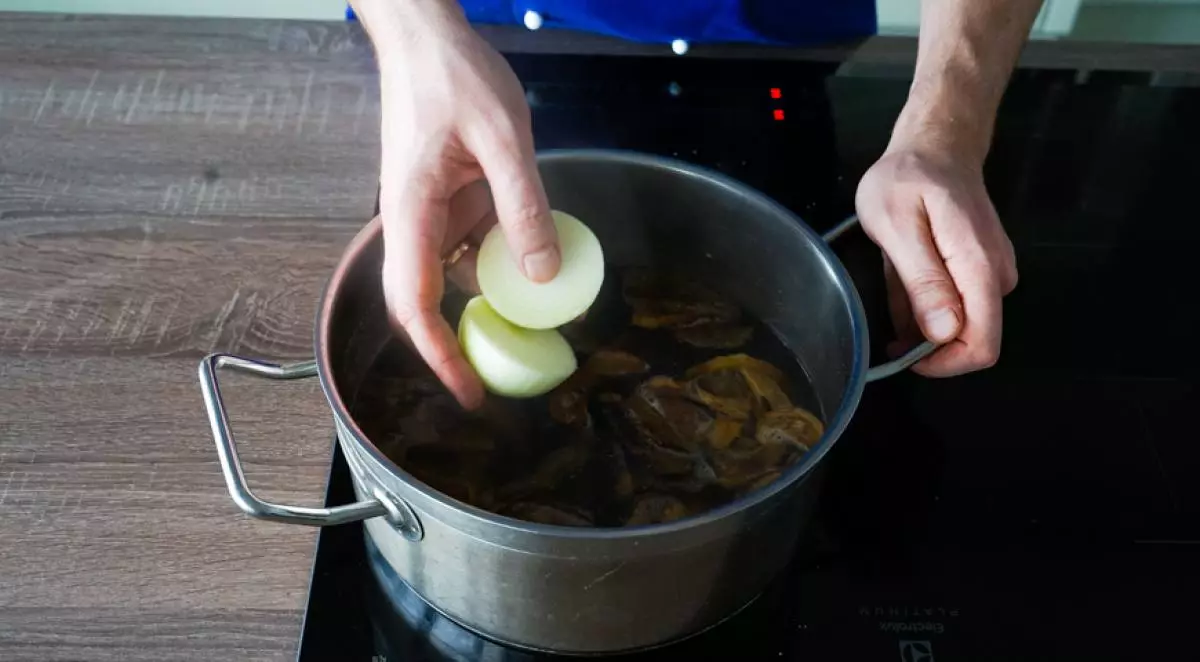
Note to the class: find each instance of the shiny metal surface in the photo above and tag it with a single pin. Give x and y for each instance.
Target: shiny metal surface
(231, 466)
(912, 356)
(578, 590)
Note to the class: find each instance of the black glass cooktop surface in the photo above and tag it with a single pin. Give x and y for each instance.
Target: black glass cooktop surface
(1045, 509)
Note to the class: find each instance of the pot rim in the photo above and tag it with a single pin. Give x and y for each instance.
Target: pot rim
(833, 430)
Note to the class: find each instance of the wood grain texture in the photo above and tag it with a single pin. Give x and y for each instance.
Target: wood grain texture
(167, 188)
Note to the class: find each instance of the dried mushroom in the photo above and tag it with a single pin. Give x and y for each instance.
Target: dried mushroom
(607, 362)
(735, 363)
(544, 513)
(656, 425)
(674, 301)
(724, 393)
(748, 459)
(714, 336)
(723, 431)
(622, 478)
(568, 402)
(763, 481)
(796, 427)
(656, 509)
(556, 467)
(669, 418)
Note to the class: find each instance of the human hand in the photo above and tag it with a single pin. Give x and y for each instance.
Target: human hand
(454, 120)
(947, 260)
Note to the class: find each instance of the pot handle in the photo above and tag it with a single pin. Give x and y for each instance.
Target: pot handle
(231, 466)
(883, 370)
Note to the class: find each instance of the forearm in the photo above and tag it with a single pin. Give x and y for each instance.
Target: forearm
(966, 54)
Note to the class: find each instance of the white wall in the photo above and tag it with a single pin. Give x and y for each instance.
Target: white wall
(901, 17)
(1150, 21)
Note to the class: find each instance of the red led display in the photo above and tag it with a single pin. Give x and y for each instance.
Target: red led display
(778, 115)
(776, 93)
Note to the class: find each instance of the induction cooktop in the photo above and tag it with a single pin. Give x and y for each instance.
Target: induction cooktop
(1045, 509)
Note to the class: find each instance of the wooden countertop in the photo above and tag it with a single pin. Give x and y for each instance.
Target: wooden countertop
(169, 188)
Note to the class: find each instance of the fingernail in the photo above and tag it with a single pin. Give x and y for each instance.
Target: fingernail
(941, 324)
(542, 265)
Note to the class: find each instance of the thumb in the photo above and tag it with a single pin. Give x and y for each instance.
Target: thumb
(935, 302)
(521, 206)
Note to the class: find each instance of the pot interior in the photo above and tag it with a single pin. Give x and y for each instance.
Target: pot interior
(663, 215)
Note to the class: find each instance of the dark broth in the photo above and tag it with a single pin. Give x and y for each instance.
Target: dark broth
(513, 458)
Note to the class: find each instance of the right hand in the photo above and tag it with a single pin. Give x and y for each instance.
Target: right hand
(457, 158)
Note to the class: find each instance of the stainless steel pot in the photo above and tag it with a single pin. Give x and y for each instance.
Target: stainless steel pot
(575, 590)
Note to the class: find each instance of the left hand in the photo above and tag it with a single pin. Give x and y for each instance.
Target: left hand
(947, 259)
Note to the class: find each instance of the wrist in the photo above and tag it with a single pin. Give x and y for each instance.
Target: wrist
(948, 117)
(395, 26)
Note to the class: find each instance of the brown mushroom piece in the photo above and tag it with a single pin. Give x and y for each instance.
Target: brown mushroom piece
(438, 421)
(746, 460)
(557, 466)
(723, 431)
(608, 362)
(767, 388)
(670, 419)
(736, 363)
(392, 392)
(738, 385)
(622, 477)
(796, 427)
(580, 336)
(667, 314)
(463, 475)
(714, 336)
(661, 460)
(509, 422)
(673, 301)
(725, 392)
(656, 509)
(544, 513)
(762, 481)
(636, 430)
(569, 401)
(457, 486)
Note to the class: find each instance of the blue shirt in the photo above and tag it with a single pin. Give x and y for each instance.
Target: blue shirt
(774, 22)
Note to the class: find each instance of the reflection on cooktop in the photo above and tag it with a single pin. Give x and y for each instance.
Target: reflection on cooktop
(1045, 509)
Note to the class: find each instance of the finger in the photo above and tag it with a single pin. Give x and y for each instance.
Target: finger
(981, 275)
(482, 227)
(978, 345)
(1010, 276)
(521, 205)
(991, 234)
(462, 272)
(435, 341)
(471, 216)
(932, 296)
(414, 220)
(468, 209)
(906, 331)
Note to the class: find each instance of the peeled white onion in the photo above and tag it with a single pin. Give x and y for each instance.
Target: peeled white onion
(543, 305)
(513, 361)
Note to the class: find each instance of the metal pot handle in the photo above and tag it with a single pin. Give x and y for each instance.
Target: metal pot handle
(400, 515)
(913, 355)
